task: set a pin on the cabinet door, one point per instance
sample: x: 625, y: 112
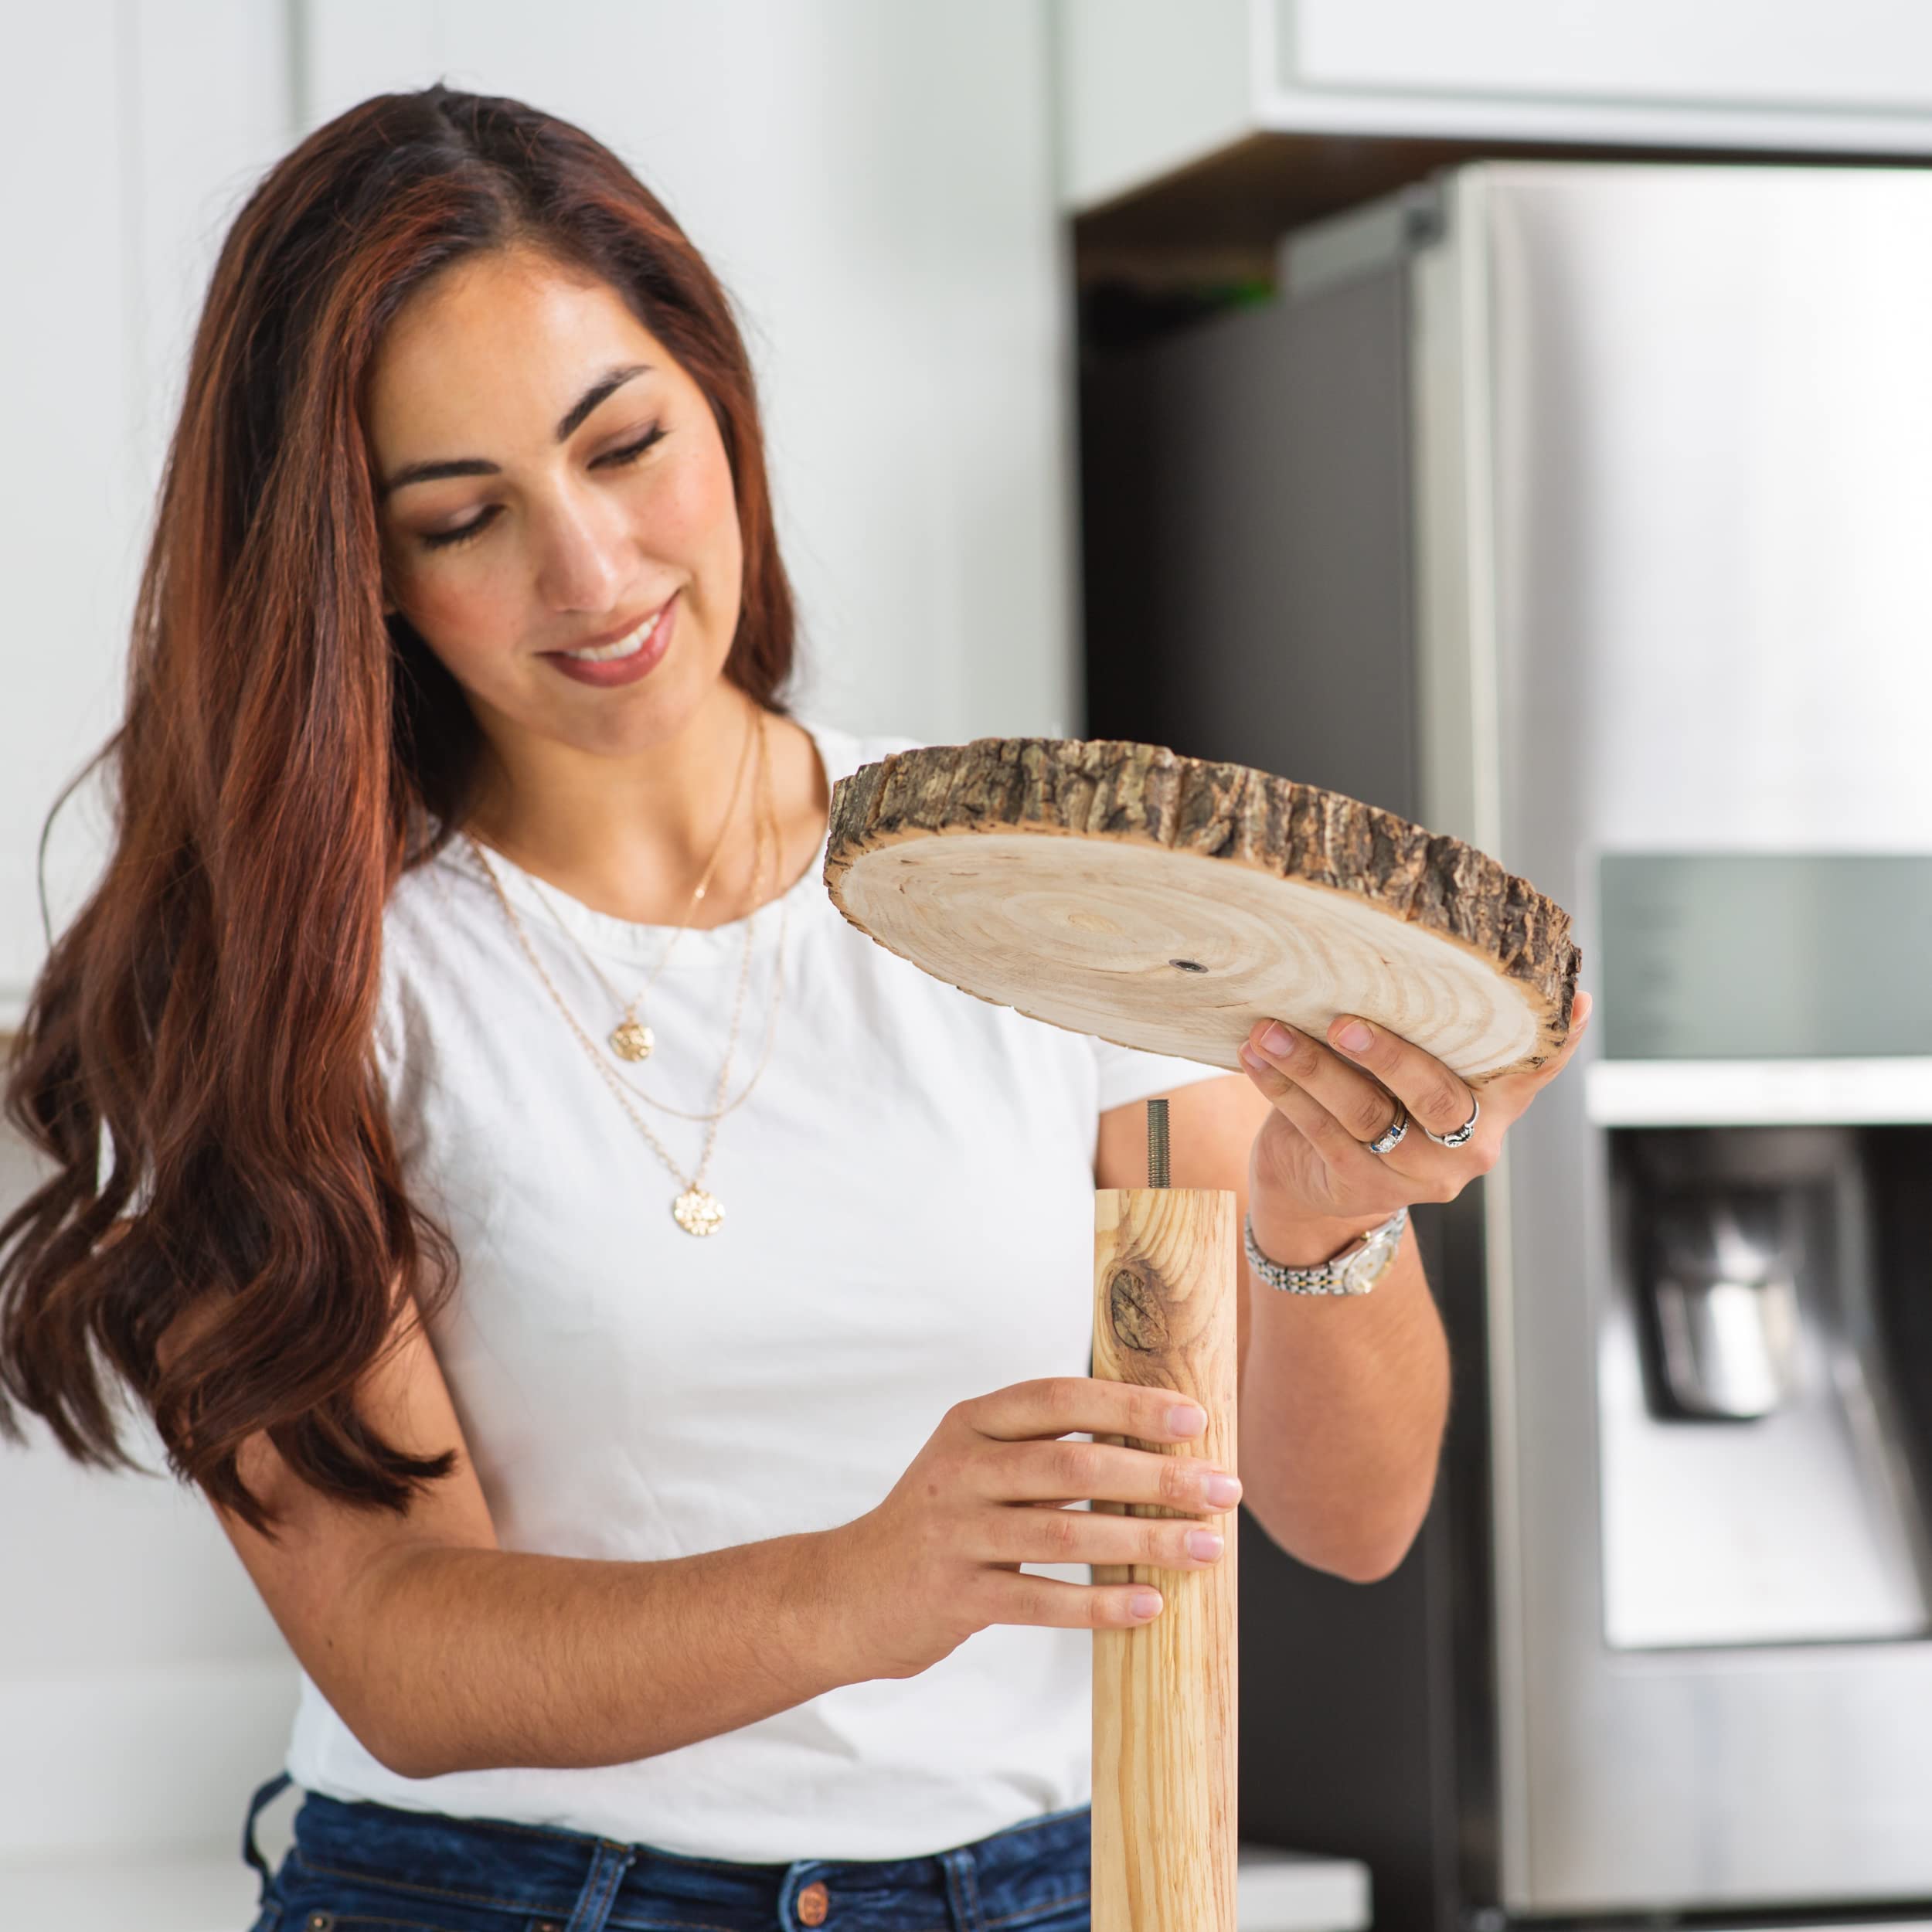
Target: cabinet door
x: 1849, y: 56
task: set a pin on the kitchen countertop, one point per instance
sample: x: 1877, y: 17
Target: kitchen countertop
x: 1297, y: 1892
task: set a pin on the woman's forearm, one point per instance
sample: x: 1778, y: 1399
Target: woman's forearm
x: 1343, y: 1401
x: 469, y: 1659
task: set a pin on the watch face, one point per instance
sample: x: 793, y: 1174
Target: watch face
x: 1364, y: 1269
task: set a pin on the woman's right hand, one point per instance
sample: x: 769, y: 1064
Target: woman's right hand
x: 940, y: 1558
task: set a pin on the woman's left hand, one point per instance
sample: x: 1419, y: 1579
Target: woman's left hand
x: 1310, y: 1170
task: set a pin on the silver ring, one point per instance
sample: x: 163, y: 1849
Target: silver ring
x: 1391, y: 1136
x: 1465, y: 1133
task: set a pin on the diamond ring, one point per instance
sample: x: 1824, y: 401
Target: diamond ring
x: 1392, y: 1138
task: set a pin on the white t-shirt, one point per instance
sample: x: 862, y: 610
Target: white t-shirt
x: 908, y: 1197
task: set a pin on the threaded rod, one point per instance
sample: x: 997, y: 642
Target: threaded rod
x: 1157, y: 1170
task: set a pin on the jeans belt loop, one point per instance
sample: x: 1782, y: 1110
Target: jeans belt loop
x: 962, y: 1889
x: 608, y: 1865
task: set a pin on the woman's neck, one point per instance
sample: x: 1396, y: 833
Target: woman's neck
x: 633, y: 840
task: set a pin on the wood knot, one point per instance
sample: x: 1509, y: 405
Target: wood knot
x: 1134, y: 1309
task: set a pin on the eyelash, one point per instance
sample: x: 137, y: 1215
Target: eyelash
x: 615, y: 459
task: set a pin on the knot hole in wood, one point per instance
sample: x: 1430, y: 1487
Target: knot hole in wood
x: 1137, y: 1309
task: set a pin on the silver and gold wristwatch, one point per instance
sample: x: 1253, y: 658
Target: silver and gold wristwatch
x: 1355, y: 1270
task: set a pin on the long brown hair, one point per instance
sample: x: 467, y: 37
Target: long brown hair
x: 286, y: 753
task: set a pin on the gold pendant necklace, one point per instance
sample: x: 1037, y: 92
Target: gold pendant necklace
x: 631, y: 1040
x: 695, y: 1210
x: 778, y: 968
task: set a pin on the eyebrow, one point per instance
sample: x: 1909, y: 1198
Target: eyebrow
x: 611, y: 380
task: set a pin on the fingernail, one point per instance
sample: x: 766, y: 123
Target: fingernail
x: 1185, y: 1419
x: 1277, y: 1039
x: 1204, y: 1543
x: 1250, y: 1059
x: 1356, y: 1037
x: 1144, y: 1602
x: 1223, y: 1490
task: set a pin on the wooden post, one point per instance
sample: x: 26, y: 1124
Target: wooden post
x: 1166, y: 1837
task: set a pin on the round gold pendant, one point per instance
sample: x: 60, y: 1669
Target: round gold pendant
x: 698, y: 1212
x: 632, y: 1040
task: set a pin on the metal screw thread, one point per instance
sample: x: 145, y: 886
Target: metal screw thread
x: 1157, y: 1144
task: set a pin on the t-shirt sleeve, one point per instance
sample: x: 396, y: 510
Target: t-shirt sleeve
x: 402, y: 1058
x: 1126, y: 1074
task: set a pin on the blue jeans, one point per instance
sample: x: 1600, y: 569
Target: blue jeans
x: 358, y: 1868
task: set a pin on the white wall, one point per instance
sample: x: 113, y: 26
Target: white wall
x: 142, y: 130
x: 143, y: 1687
x: 873, y: 182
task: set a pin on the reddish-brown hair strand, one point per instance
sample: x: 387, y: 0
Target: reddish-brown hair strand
x: 196, y: 1059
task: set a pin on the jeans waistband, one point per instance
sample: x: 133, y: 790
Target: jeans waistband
x: 549, y: 1872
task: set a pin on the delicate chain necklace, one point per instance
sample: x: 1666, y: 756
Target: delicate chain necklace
x: 631, y: 1039
x: 694, y: 1210
x: 777, y: 989
x: 771, y: 1030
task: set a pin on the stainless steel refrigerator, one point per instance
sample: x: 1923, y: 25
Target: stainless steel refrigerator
x: 1585, y: 510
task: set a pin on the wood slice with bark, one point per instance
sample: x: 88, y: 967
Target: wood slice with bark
x: 1168, y: 902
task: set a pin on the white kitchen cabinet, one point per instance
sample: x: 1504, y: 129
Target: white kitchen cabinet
x: 1147, y: 86
x: 1852, y: 56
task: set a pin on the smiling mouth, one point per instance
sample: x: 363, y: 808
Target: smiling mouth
x: 628, y: 646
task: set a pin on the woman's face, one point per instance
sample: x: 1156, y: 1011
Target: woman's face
x: 549, y: 478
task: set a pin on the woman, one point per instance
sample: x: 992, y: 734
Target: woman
x: 464, y: 917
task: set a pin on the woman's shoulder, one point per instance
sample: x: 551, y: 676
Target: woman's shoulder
x: 428, y: 909
x: 433, y: 924
x: 845, y: 750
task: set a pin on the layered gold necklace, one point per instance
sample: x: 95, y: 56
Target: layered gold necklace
x: 695, y: 1210
x: 631, y: 1038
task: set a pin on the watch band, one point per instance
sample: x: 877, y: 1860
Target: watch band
x: 1334, y: 1276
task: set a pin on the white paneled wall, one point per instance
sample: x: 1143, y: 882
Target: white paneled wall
x: 70, y: 495
x: 873, y: 183
x: 141, y: 130
x: 144, y: 1692
x: 143, y: 1688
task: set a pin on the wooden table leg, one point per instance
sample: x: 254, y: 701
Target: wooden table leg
x: 1165, y: 1834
